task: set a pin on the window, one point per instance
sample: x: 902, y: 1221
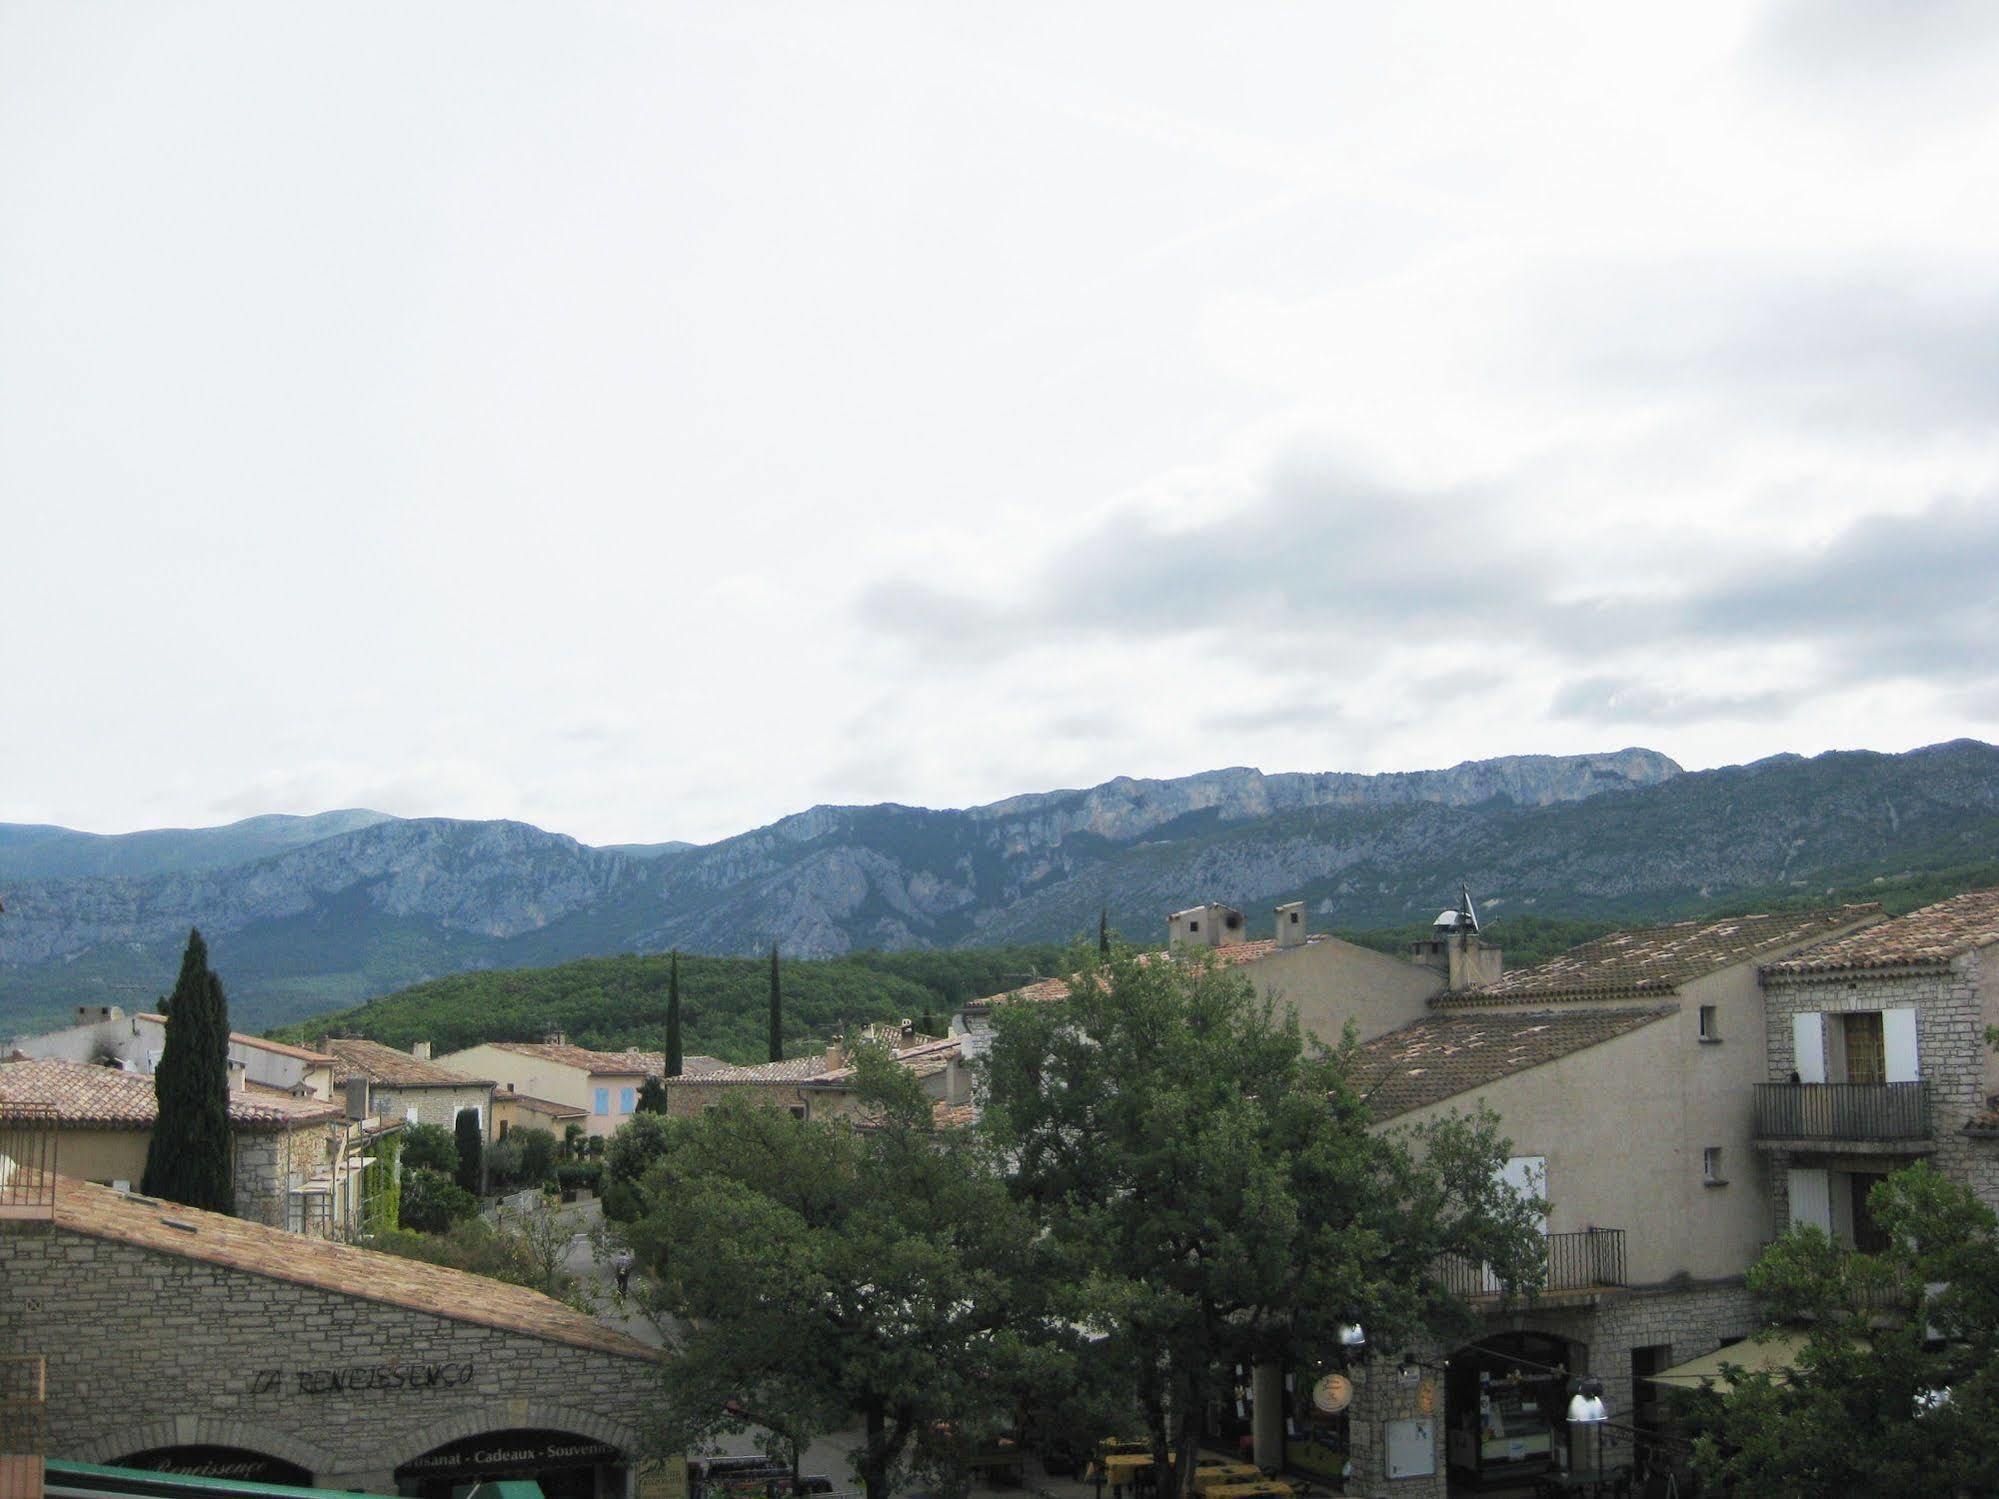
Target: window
x: 602, y: 1103
x: 1711, y: 1167
x: 1193, y: 926
x: 798, y: 1111
x: 627, y: 1097
x: 1866, y: 1053
x: 1710, y: 1026
x: 1294, y: 918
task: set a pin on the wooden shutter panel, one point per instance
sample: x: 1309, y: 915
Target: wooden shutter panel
x: 1898, y: 1038
x: 1808, y: 1044
x: 1811, y: 1197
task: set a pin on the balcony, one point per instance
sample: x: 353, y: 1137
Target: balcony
x: 1857, y: 1118
x: 1579, y: 1267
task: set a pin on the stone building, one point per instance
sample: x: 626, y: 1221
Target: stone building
x: 1876, y: 1057
x: 405, y: 1085
x: 106, y: 1034
x: 169, y: 1334
x: 1624, y: 1073
x: 298, y: 1163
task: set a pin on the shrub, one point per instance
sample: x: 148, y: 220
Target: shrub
x: 432, y: 1201
x: 430, y: 1147
x: 537, y: 1147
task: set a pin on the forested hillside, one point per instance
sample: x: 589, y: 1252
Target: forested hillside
x: 617, y: 1002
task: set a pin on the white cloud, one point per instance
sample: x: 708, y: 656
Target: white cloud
x: 648, y: 421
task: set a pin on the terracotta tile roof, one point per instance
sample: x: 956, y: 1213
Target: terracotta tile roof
x: 261, y: 1044
x: 698, y: 1066
x: 354, y: 1057
x: 596, y: 1063
x: 1043, y: 990
x: 546, y: 1106
x: 89, y: 1096
x: 186, y: 1233
x: 952, y: 1115
x: 925, y: 1059
x: 1933, y: 935
x: 1657, y: 960
x: 1443, y: 1055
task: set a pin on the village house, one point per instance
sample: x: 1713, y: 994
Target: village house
x: 604, y: 1084
x: 406, y: 1085
x: 1624, y: 1072
x: 512, y: 1111
x: 158, y: 1336
x: 105, y: 1033
x: 1876, y: 1058
x: 821, y: 1085
x: 297, y: 1163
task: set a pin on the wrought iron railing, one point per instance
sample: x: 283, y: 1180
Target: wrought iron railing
x: 1575, y: 1262
x: 27, y: 1159
x: 1843, y: 1111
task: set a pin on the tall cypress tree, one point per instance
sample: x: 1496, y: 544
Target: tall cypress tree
x: 776, y: 1010
x: 471, y: 1152
x: 1104, y: 932
x: 187, y: 1159
x: 673, y: 1057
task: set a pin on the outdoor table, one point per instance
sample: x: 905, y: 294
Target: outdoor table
x: 1267, y: 1488
x: 1209, y: 1476
x: 1120, y: 1469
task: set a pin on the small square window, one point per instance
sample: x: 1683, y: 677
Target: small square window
x: 1193, y: 926
x: 1711, y: 1167
x: 1710, y: 1024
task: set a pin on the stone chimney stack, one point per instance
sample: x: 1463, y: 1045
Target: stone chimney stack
x: 556, y: 1038
x: 421, y: 1051
x: 1291, y: 924
x: 1212, y: 925
x: 836, y: 1054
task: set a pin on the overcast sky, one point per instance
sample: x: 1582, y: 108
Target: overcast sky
x: 649, y: 420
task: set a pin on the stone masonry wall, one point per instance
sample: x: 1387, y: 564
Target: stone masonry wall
x: 147, y: 1349
x: 261, y: 1180
x: 1951, y: 1015
x: 437, y: 1106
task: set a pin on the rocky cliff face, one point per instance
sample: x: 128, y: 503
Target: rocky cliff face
x: 371, y: 908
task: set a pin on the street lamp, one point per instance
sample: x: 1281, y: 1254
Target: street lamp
x: 1586, y: 1408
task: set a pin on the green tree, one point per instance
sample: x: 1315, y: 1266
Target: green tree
x: 674, y: 1061
x: 471, y: 1150
x: 537, y: 1155
x: 776, y: 1010
x: 1215, y: 1189
x: 432, y: 1201
x: 815, y: 1272
x: 1103, y: 931
x: 430, y: 1147
x: 1864, y: 1408
x: 652, y: 1096
x: 188, y: 1157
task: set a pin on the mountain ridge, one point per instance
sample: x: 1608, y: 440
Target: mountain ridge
x: 335, y: 920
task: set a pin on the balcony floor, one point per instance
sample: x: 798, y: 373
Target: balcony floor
x: 1914, y: 1145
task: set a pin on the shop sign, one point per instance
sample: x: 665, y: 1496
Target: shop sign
x: 361, y: 1379
x: 234, y: 1463
x: 1332, y: 1394
x: 508, y: 1451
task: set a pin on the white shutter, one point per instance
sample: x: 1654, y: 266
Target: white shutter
x: 1811, y: 1197
x: 1898, y: 1035
x: 1527, y: 1175
x: 1808, y: 1043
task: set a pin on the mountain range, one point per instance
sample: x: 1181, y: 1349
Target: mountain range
x: 306, y: 914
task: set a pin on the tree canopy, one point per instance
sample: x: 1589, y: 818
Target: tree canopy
x: 1214, y: 1189
x: 1901, y: 1403
x: 188, y: 1156
x: 827, y: 1270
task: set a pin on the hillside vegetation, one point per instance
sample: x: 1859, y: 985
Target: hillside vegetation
x: 617, y: 1002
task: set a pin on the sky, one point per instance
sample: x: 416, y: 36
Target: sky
x: 650, y: 420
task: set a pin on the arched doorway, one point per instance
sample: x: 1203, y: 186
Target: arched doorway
x: 1504, y: 1407
x: 566, y: 1465
x: 239, y: 1464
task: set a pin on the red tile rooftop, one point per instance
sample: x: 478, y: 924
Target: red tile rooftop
x: 87, y: 1096
x: 1930, y: 936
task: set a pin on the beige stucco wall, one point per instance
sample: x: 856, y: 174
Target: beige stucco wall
x: 103, y: 1155
x: 1329, y: 982
x: 551, y: 1080
x: 1622, y: 1126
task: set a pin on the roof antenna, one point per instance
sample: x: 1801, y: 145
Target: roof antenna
x: 1467, y: 913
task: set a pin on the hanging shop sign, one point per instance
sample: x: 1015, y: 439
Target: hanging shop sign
x: 1332, y: 1394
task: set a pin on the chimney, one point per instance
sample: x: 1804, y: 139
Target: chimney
x: 239, y: 1077
x: 97, y: 1014
x: 908, y: 1031
x: 836, y: 1055
x: 556, y: 1038
x: 1291, y: 924
x: 421, y: 1051
x: 357, y: 1098
x: 1212, y: 925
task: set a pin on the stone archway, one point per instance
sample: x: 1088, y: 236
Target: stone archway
x: 204, y: 1431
